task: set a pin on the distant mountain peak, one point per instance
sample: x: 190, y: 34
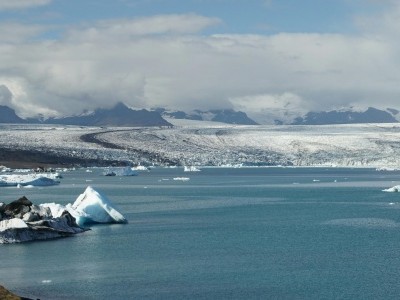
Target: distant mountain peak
x: 371, y: 115
x: 8, y: 115
x: 118, y: 115
x: 229, y: 116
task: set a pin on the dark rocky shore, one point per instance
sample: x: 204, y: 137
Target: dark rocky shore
x: 7, y: 295
x: 30, y: 159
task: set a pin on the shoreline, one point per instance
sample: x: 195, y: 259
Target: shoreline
x: 30, y: 159
x: 8, y: 295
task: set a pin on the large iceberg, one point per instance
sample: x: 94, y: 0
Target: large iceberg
x: 28, y: 180
x: 93, y: 207
x: 22, y: 221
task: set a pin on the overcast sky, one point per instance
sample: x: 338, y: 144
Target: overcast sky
x: 64, y: 56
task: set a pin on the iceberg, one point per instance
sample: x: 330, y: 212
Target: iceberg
x: 181, y: 178
x: 22, y: 221
x: 191, y: 169
x: 93, y: 207
x: 394, y: 189
x: 27, y: 180
x: 126, y: 171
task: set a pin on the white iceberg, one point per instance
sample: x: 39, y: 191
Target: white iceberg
x: 140, y: 168
x: 394, y: 189
x: 126, y: 171
x: 27, y: 179
x: 93, y: 207
x: 191, y: 169
x: 22, y: 221
x: 181, y: 178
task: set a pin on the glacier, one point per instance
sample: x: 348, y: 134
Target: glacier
x: 214, y: 144
x: 23, y: 221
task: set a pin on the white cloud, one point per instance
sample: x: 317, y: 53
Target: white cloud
x: 165, y: 61
x: 21, y: 4
x: 13, y: 32
x: 155, y: 25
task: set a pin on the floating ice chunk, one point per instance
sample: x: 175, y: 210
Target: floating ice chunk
x: 26, y: 221
x: 127, y: 171
x: 27, y: 179
x: 191, y: 169
x: 182, y: 178
x: 93, y: 207
x: 140, y: 168
x: 46, y: 281
x: 394, y: 189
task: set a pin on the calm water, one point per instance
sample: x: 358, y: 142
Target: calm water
x: 225, y: 234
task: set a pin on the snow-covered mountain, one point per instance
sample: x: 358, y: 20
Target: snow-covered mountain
x: 371, y: 115
x: 228, y: 116
x: 119, y: 115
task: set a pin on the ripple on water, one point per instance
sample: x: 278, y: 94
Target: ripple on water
x: 364, y: 223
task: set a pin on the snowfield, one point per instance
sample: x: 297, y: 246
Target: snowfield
x: 217, y: 144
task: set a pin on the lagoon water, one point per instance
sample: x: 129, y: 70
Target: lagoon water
x: 247, y: 233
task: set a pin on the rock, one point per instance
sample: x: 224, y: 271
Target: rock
x: 23, y: 221
x: 6, y: 294
x: 20, y: 206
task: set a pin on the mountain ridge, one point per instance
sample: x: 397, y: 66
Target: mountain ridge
x: 119, y: 115
x: 122, y: 116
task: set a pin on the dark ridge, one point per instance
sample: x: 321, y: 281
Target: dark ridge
x: 8, y: 115
x: 371, y: 115
x: 15, y: 158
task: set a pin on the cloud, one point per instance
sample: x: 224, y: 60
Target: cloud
x: 12, y: 32
x: 123, y: 29
x: 168, y: 61
x: 21, y: 4
x: 5, y: 95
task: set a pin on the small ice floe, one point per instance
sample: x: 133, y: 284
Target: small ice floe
x: 125, y: 171
x: 46, y: 281
x: 140, y: 168
x: 88, y: 171
x: 182, y: 178
x: 387, y: 169
x: 394, y: 189
x: 191, y: 169
x: 316, y: 180
x: 392, y: 203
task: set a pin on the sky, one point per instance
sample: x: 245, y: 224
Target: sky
x: 61, y: 57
